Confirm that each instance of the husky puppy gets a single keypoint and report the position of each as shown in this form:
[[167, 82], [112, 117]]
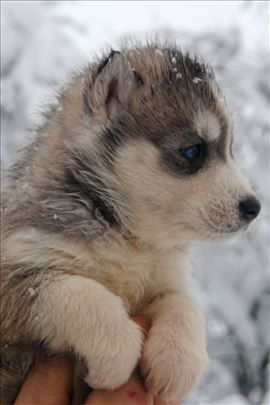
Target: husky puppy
[[133, 164]]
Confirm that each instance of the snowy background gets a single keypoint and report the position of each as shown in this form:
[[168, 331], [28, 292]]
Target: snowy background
[[43, 41]]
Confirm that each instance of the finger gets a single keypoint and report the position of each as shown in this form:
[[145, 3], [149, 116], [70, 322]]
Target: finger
[[49, 382], [131, 393], [143, 322]]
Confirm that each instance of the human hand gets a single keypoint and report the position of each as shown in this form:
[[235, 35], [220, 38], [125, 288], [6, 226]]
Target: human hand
[[50, 383]]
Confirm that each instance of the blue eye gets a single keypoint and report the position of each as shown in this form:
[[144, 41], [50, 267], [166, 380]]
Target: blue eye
[[192, 152]]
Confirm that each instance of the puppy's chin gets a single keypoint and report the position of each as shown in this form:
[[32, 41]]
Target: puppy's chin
[[215, 235]]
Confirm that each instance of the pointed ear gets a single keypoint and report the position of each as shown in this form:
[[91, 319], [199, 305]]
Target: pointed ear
[[111, 88]]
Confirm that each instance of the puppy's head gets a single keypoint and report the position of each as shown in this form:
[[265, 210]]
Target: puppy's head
[[165, 134]]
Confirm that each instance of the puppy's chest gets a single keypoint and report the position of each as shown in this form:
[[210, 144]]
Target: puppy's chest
[[137, 275], [131, 273], [133, 277]]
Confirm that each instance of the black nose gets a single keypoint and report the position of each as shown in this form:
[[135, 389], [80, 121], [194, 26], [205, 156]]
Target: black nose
[[249, 208]]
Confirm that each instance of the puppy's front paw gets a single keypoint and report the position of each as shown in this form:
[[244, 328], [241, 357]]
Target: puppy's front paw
[[172, 365], [112, 366]]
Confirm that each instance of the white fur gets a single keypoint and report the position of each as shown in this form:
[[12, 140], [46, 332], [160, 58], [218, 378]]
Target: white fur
[[207, 123], [175, 354], [83, 315]]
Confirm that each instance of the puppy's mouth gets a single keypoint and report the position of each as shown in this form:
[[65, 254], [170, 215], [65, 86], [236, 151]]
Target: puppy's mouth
[[224, 231]]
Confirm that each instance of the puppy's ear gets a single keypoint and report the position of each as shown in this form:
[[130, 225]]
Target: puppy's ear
[[111, 89]]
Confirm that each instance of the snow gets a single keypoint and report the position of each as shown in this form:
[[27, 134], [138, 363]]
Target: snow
[[196, 80], [158, 51], [43, 41], [31, 291], [235, 399]]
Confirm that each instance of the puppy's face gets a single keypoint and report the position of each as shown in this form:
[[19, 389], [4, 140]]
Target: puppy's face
[[170, 134]]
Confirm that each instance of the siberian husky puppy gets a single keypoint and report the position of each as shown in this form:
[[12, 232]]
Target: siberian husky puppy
[[133, 164]]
